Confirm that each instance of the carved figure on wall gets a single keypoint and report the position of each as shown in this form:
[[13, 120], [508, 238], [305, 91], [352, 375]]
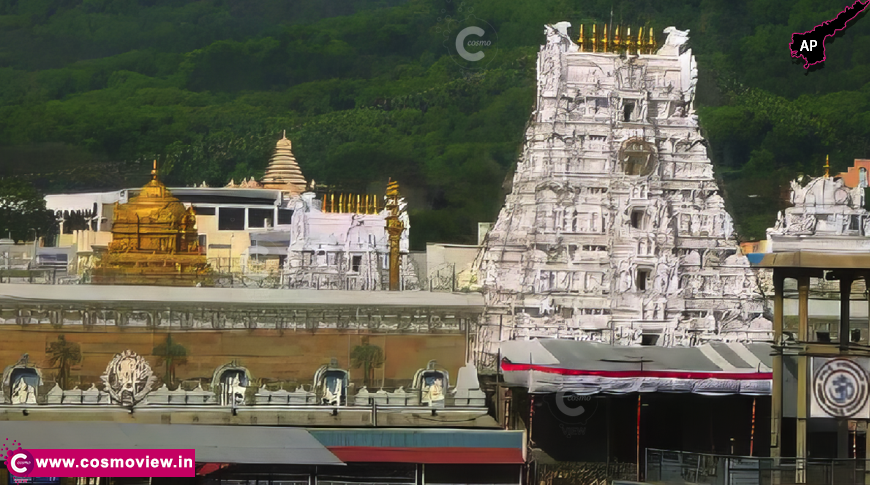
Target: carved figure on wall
[[624, 276], [23, 393], [128, 378]]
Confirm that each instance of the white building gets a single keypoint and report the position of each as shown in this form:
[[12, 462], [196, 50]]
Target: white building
[[615, 229]]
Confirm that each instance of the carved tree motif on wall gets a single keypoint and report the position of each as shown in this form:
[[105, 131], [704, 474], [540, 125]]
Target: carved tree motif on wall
[[170, 355], [369, 357], [62, 355]]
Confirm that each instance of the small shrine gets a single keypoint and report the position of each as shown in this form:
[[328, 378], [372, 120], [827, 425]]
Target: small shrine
[[154, 242]]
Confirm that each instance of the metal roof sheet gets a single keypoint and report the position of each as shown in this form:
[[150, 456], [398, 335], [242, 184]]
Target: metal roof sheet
[[213, 444]]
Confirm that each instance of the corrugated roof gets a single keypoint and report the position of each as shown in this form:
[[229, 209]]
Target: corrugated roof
[[214, 444], [419, 438], [581, 355]]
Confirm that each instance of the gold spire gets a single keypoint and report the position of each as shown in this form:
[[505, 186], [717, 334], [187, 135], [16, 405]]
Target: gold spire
[[604, 39], [616, 40], [331, 202], [581, 39], [827, 166], [154, 171], [594, 39], [651, 45], [628, 43], [640, 40], [357, 203]]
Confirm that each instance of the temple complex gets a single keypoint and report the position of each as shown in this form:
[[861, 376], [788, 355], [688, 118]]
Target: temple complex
[[275, 232], [615, 230], [154, 241]]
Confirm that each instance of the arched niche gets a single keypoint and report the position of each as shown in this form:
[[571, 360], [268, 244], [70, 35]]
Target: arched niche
[[229, 383], [432, 383], [637, 157], [21, 382], [330, 384]]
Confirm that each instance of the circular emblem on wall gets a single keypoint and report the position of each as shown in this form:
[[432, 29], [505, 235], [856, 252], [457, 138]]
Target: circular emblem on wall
[[841, 387], [128, 378]]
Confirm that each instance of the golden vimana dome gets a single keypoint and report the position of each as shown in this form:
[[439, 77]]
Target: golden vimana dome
[[154, 241], [283, 173]]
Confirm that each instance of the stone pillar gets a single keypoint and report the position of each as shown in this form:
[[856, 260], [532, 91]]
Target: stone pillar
[[776, 394], [845, 294], [803, 375]]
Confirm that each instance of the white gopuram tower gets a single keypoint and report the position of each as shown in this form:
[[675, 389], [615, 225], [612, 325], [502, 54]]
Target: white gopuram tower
[[615, 230]]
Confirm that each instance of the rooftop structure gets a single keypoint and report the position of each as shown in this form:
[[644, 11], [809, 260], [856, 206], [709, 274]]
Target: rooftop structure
[[154, 241], [283, 173], [827, 214], [615, 229], [811, 370]]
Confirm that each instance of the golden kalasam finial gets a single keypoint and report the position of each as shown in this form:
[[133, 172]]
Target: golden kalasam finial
[[582, 39], [827, 166], [154, 171], [340, 202], [331, 202], [651, 45], [616, 40], [628, 43], [604, 39], [357, 203], [640, 40], [594, 39]]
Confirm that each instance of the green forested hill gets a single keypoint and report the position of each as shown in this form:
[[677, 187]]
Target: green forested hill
[[92, 90]]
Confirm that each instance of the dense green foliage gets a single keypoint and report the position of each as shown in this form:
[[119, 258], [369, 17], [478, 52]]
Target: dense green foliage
[[92, 90], [23, 215]]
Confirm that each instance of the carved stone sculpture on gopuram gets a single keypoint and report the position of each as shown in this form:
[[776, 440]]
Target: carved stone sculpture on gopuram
[[615, 229], [827, 213]]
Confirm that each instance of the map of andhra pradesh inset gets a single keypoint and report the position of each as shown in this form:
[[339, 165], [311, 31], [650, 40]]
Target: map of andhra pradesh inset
[[810, 46]]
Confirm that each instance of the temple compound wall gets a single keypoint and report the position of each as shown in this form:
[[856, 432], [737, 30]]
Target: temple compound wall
[[615, 229], [279, 336]]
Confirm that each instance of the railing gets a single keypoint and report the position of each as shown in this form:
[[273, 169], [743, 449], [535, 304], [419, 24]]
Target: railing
[[680, 467]]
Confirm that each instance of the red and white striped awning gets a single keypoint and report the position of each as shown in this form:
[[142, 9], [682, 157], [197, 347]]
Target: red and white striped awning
[[553, 365]]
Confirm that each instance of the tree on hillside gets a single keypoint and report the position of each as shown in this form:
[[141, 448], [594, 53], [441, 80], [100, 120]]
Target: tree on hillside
[[23, 212]]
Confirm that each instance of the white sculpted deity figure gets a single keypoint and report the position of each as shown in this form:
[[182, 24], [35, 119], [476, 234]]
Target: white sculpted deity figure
[[23, 393], [624, 276]]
